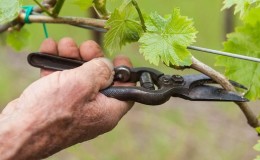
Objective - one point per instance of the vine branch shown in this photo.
(252, 120)
(42, 7)
(196, 64)
(139, 13)
(57, 8)
(64, 20)
(5, 27)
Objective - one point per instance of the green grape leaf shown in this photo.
(241, 6)
(18, 39)
(244, 41)
(9, 10)
(83, 4)
(167, 39)
(123, 28)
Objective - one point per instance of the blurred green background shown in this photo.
(178, 129)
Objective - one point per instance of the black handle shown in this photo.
(48, 61)
(138, 94)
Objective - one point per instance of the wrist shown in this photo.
(13, 134)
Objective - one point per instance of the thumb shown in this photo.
(89, 78)
(100, 71)
(71, 85)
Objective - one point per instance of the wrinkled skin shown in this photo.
(62, 108)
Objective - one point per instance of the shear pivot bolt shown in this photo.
(122, 74)
(166, 80)
(177, 78)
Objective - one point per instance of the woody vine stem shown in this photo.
(99, 24)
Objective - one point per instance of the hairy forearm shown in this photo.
(23, 137)
(13, 134)
(31, 136)
(43, 142)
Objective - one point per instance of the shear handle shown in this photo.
(122, 73)
(138, 94)
(48, 61)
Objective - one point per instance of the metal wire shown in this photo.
(207, 50)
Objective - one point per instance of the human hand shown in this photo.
(64, 107)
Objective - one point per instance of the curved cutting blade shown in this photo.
(200, 79)
(211, 93)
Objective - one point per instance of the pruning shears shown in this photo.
(155, 87)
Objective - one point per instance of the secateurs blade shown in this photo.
(155, 87)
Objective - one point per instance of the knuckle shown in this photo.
(77, 85)
(102, 69)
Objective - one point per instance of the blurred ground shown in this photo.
(178, 129)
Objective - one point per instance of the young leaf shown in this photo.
(83, 4)
(9, 10)
(123, 28)
(167, 39)
(101, 8)
(18, 39)
(241, 6)
(244, 41)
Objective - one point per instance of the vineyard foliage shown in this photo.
(242, 6)
(167, 39)
(123, 26)
(245, 40)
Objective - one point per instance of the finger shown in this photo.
(122, 60)
(68, 48)
(120, 108)
(109, 111)
(89, 50)
(48, 46)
